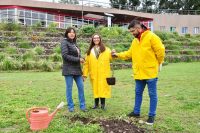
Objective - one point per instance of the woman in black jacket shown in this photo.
(72, 68)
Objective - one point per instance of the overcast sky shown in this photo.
(103, 1)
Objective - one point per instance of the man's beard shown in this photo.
(136, 35)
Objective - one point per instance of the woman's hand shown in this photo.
(84, 78)
(82, 60)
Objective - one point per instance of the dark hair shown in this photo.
(101, 45)
(68, 30)
(135, 22)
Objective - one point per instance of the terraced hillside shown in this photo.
(40, 49)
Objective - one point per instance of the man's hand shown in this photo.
(82, 60)
(160, 67)
(114, 53)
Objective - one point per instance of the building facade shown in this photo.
(31, 12)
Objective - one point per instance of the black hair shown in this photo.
(135, 22)
(68, 30)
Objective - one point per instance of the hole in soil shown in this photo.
(111, 126)
(35, 111)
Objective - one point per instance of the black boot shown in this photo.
(96, 103)
(103, 100)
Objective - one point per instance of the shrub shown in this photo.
(84, 47)
(36, 25)
(17, 65)
(57, 49)
(162, 35)
(188, 59)
(190, 52)
(2, 57)
(176, 34)
(176, 59)
(10, 26)
(194, 43)
(28, 55)
(47, 66)
(52, 28)
(24, 44)
(20, 37)
(28, 65)
(187, 35)
(165, 63)
(165, 35)
(39, 50)
(172, 47)
(172, 42)
(110, 32)
(3, 44)
(42, 34)
(87, 30)
(119, 47)
(127, 36)
(56, 57)
(11, 50)
(8, 64)
(176, 52)
(38, 64)
(57, 66)
(182, 38)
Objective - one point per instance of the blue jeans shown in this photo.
(69, 84)
(152, 89)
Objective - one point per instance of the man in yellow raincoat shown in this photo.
(147, 53)
(97, 66)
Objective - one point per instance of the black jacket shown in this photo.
(71, 58)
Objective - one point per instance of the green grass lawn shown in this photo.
(178, 106)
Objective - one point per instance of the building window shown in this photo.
(184, 30)
(35, 15)
(150, 25)
(21, 13)
(0, 15)
(162, 28)
(28, 14)
(31, 17)
(42, 16)
(4, 15)
(34, 21)
(196, 30)
(11, 13)
(28, 21)
(172, 29)
(50, 17)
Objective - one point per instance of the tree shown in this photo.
(124, 4)
(148, 5)
(170, 4)
(69, 1)
(191, 4)
(120, 4)
(180, 4)
(134, 4)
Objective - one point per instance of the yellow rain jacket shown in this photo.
(147, 54)
(99, 70)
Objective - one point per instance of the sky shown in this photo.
(103, 1)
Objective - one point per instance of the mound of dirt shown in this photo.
(111, 126)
